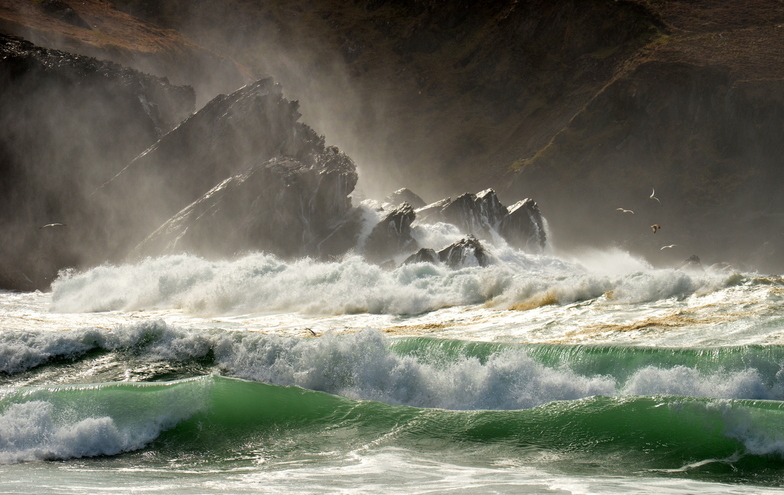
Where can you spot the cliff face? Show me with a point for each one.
(585, 106)
(94, 28)
(67, 124)
(711, 148)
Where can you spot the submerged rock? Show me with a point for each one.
(465, 252)
(693, 262)
(424, 255)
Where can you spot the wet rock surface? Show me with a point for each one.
(392, 235)
(250, 126)
(405, 195)
(523, 226)
(282, 206)
(483, 215)
(465, 252)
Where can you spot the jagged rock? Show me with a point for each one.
(424, 255)
(405, 195)
(392, 235)
(477, 214)
(523, 227)
(483, 215)
(432, 213)
(287, 207)
(463, 252)
(225, 138)
(68, 123)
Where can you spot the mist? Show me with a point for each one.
(531, 100)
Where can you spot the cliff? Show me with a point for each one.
(586, 106)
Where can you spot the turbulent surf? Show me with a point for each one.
(535, 373)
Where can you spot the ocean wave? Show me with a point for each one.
(86, 421)
(231, 417)
(367, 365)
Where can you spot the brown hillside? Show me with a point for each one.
(581, 104)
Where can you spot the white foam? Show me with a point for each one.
(680, 380)
(261, 283)
(361, 365)
(157, 340)
(61, 424)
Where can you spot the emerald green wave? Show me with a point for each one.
(664, 434)
(619, 362)
(732, 440)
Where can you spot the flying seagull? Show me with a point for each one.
(655, 227)
(667, 247)
(50, 225)
(652, 196)
(623, 210)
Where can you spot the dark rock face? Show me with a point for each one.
(284, 206)
(478, 214)
(252, 125)
(392, 235)
(523, 226)
(483, 215)
(405, 195)
(68, 123)
(424, 255)
(456, 255)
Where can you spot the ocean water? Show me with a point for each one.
(543, 373)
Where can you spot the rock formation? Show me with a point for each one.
(484, 216)
(223, 139)
(241, 174)
(465, 252)
(392, 235)
(405, 195)
(283, 206)
(523, 226)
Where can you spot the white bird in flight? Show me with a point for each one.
(624, 210)
(50, 225)
(652, 196)
(668, 247)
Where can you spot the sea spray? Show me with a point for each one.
(261, 283)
